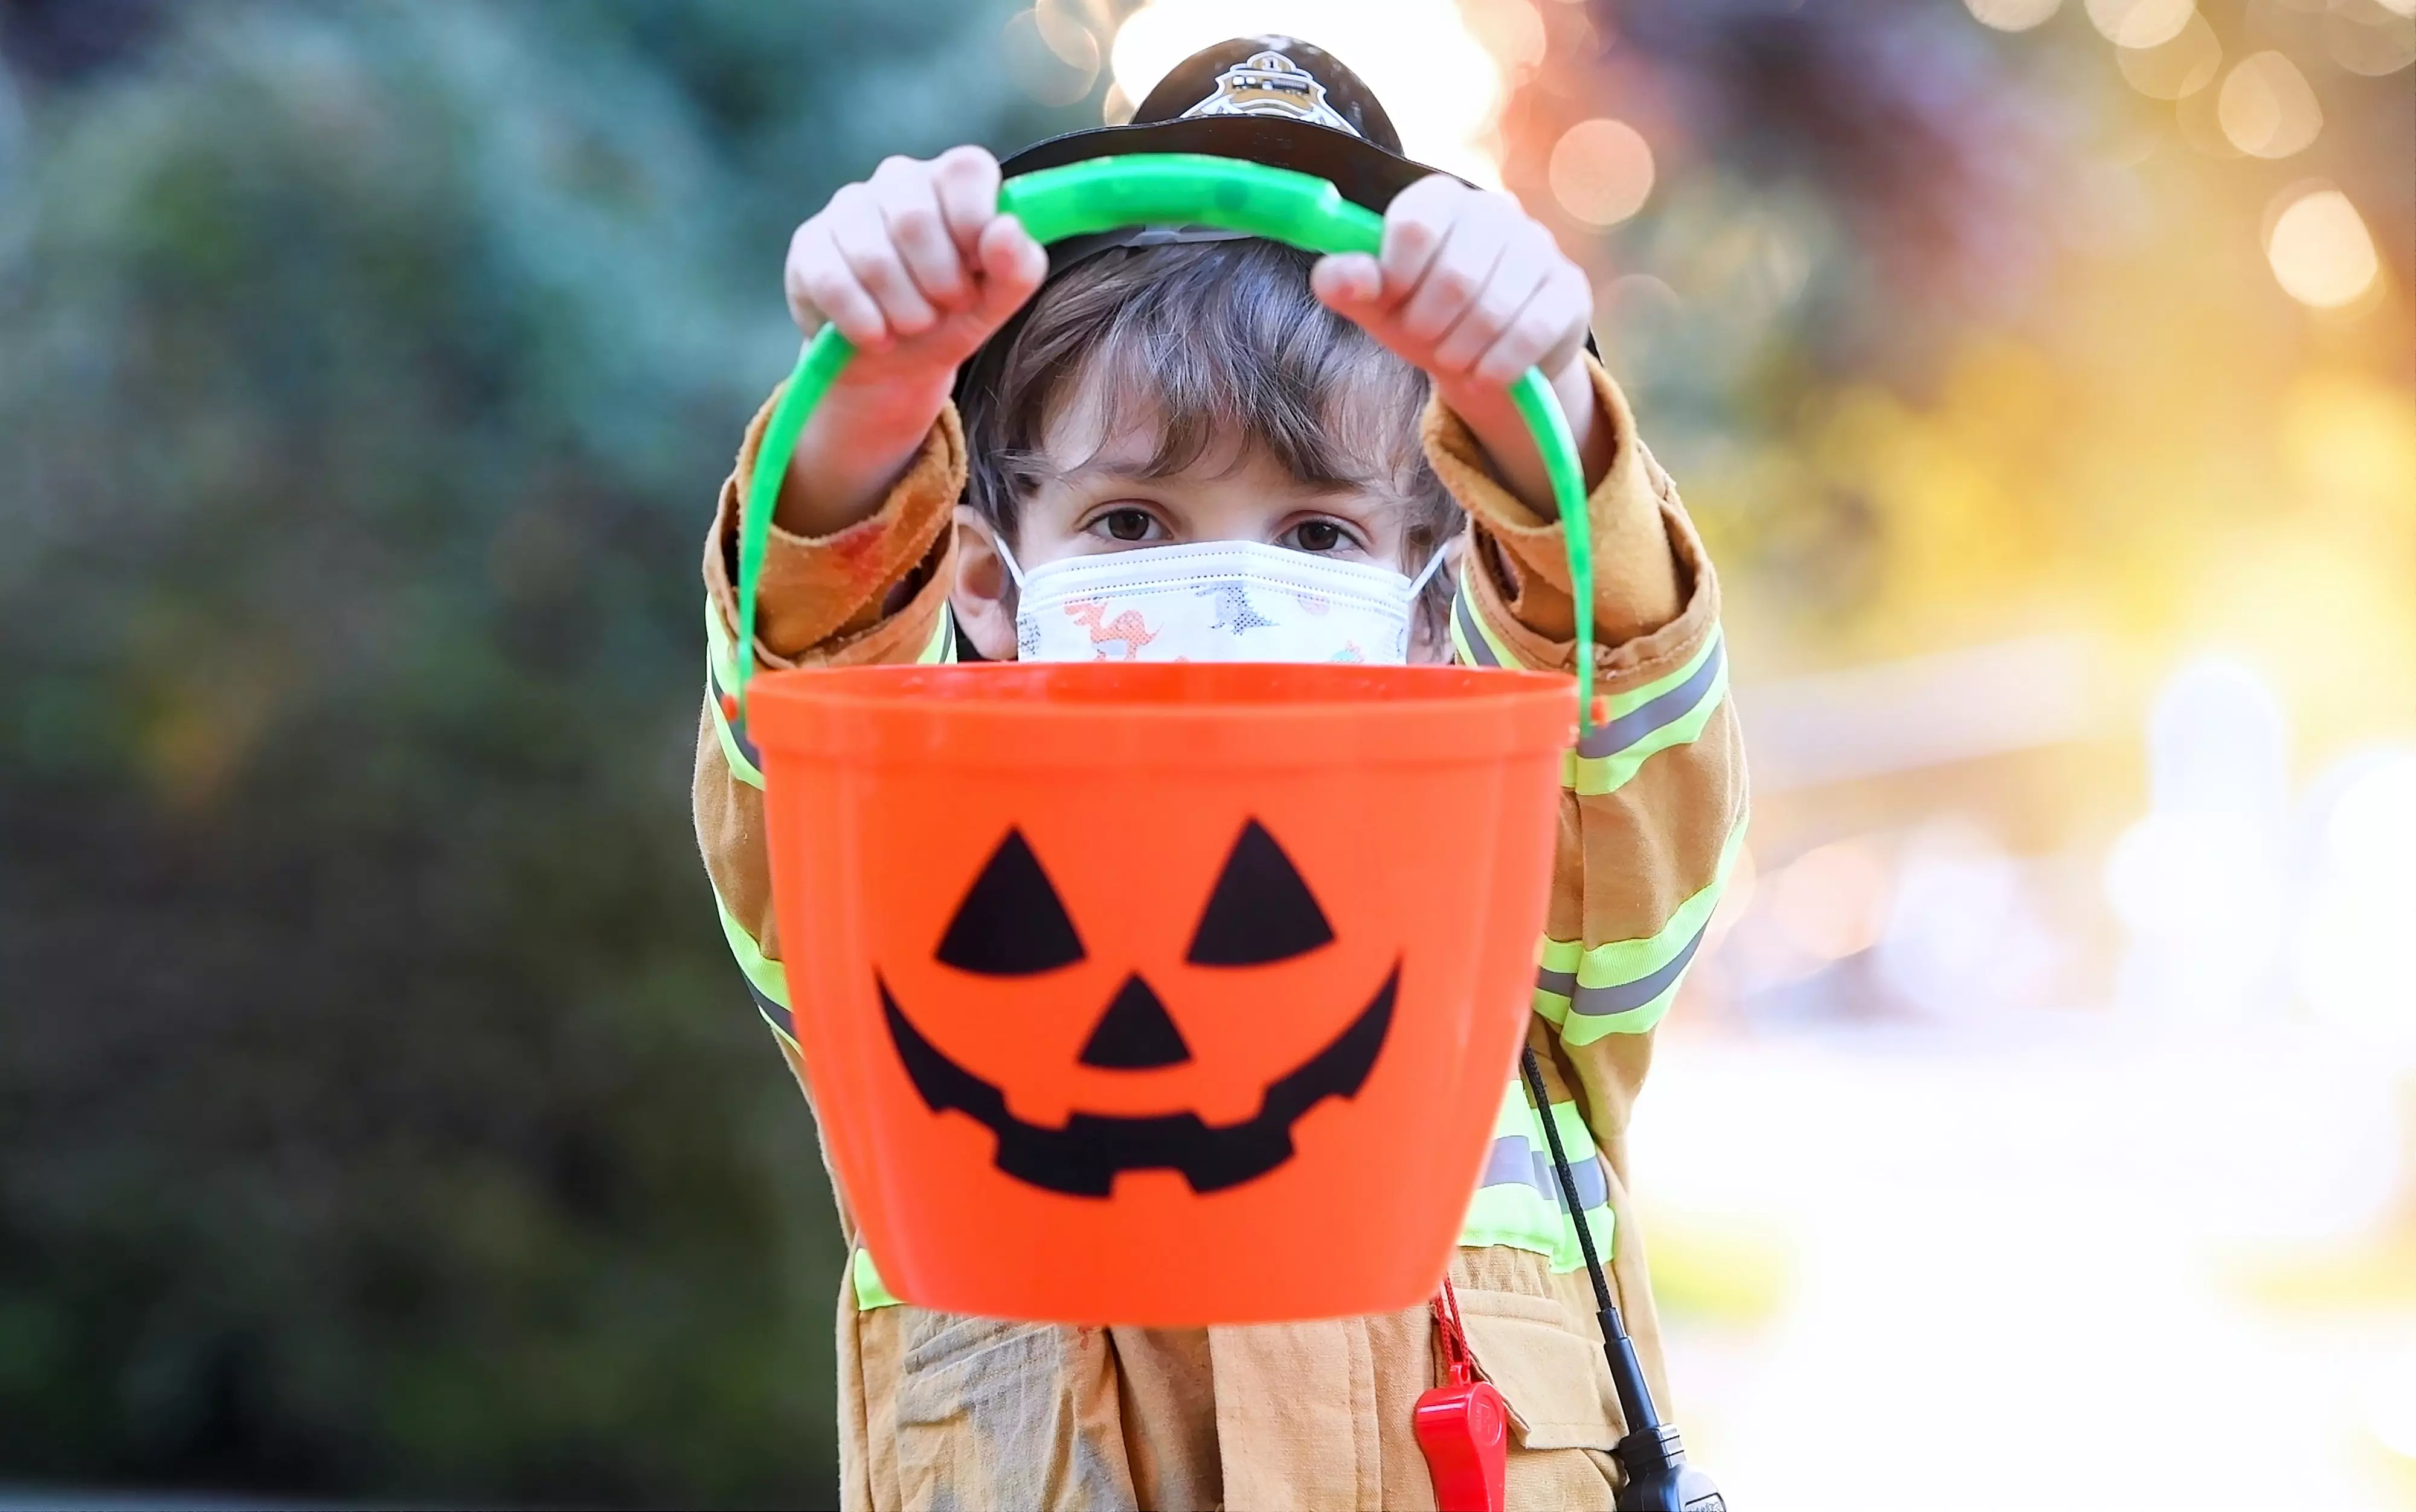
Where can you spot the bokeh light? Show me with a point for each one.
(1831, 901)
(1511, 30)
(2266, 109)
(1439, 85)
(1051, 56)
(2183, 65)
(2355, 968)
(2012, 15)
(2321, 251)
(2140, 23)
(2371, 36)
(1601, 171)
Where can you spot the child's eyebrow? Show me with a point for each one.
(1135, 458)
(1113, 469)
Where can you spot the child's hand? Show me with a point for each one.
(915, 266)
(917, 269)
(1472, 288)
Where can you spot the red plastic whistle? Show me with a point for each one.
(1464, 1429)
(1463, 1425)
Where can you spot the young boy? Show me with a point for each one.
(1185, 418)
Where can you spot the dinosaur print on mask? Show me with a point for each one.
(1233, 611)
(1127, 630)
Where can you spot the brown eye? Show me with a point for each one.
(1128, 524)
(1320, 535)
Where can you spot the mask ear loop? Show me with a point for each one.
(1013, 572)
(1417, 586)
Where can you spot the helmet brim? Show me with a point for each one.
(1365, 173)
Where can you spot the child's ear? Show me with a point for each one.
(984, 594)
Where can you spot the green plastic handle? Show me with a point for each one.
(1155, 189)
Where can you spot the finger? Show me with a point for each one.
(1515, 281)
(1577, 315)
(1547, 333)
(821, 289)
(862, 238)
(1347, 283)
(1013, 267)
(1415, 228)
(909, 210)
(966, 180)
(1460, 270)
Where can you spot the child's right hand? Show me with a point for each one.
(916, 268)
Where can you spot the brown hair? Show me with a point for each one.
(1215, 341)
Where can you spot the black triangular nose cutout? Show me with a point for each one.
(1261, 910)
(1010, 923)
(1135, 1034)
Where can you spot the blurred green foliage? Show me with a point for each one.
(379, 1113)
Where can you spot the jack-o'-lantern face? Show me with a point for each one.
(1259, 914)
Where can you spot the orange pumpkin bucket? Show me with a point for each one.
(1169, 994)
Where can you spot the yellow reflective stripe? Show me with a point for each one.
(1612, 989)
(1697, 687)
(763, 972)
(942, 647)
(1551, 1007)
(1638, 723)
(1584, 1029)
(1624, 704)
(1526, 1216)
(766, 983)
(869, 1292)
(732, 752)
(721, 676)
(1471, 639)
(719, 665)
(780, 1034)
(764, 977)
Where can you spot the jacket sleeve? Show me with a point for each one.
(1653, 800)
(876, 591)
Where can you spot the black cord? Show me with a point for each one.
(1626, 1373)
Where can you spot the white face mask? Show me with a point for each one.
(1214, 600)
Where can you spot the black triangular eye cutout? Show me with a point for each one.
(1011, 924)
(1261, 910)
(1135, 1034)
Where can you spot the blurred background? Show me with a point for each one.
(381, 1120)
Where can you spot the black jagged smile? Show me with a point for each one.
(1084, 1158)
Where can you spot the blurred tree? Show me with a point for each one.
(378, 1111)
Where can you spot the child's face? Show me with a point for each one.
(1093, 498)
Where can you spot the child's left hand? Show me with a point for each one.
(1473, 290)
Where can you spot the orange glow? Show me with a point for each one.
(1601, 171)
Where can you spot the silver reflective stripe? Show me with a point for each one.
(1514, 1161)
(774, 1014)
(1674, 705)
(1477, 646)
(1621, 996)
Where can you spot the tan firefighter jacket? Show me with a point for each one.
(943, 1412)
